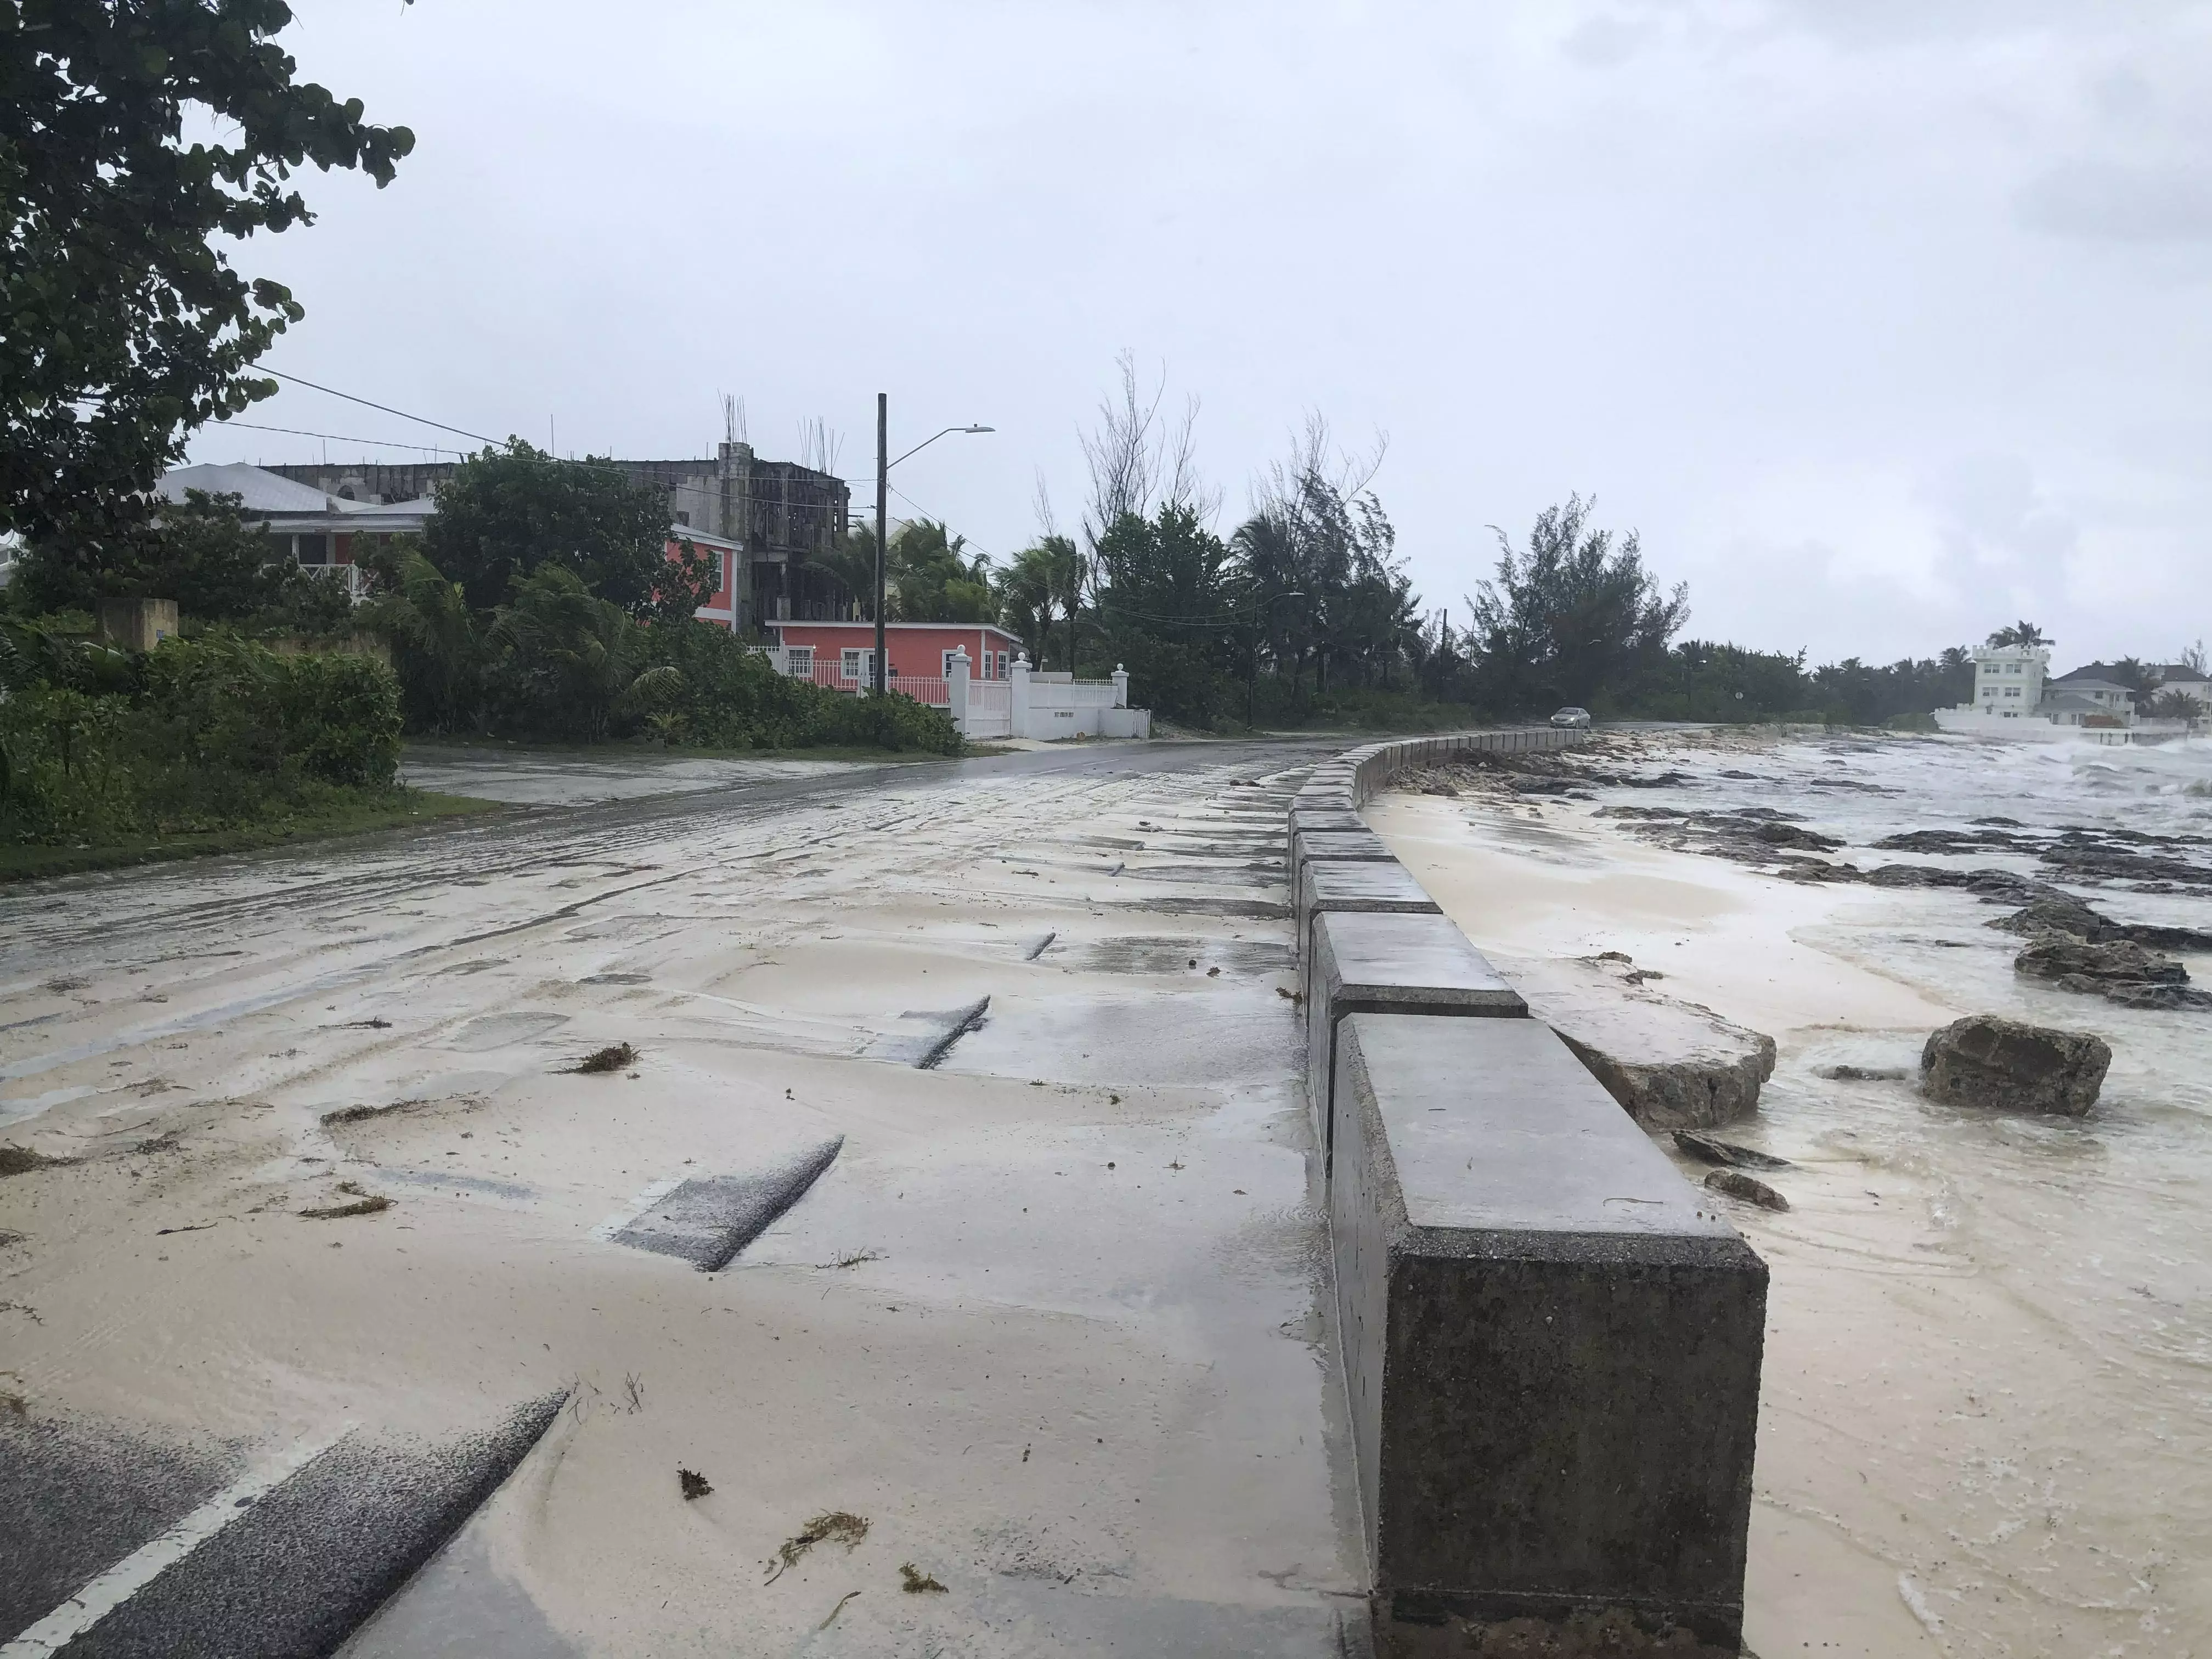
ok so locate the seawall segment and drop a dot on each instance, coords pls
(1550, 1345)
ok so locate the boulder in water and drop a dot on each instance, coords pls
(2058, 958)
(1985, 1059)
(1672, 1064)
(1752, 1190)
(1714, 1150)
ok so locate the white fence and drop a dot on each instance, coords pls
(1023, 705)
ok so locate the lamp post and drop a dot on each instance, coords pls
(883, 466)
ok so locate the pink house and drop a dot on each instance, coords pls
(843, 654)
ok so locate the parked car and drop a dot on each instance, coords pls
(1576, 717)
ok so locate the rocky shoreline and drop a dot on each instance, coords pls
(2072, 945)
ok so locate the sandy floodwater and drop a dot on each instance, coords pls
(1985, 1422)
(1049, 1322)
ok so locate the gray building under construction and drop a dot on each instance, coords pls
(777, 518)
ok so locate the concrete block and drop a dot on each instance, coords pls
(1308, 844)
(1353, 884)
(1373, 962)
(1303, 817)
(1550, 1345)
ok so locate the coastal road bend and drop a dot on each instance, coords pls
(855, 1213)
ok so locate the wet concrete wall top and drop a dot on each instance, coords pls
(1550, 1348)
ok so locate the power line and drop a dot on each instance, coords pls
(420, 420)
(340, 438)
(503, 443)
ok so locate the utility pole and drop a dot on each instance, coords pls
(882, 521)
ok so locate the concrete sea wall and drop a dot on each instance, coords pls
(1550, 1345)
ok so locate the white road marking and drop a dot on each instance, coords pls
(606, 1230)
(112, 1589)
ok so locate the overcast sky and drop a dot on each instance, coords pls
(1884, 321)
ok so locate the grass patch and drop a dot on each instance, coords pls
(836, 1526)
(362, 1113)
(612, 1058)
(22, 1160)
(918, 1582)
(25, 861)
(423, 748)
(363, 1203)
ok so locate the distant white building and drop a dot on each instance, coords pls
(2015, 696)
(2008, 681)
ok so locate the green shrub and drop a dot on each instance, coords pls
(195, 735)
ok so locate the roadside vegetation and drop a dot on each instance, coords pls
(213, 743)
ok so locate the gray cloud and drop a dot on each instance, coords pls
(2110, 201)
(1751, 285)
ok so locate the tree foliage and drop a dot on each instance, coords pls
(121, 326)
(1572, 614)
(506, 512)
(931, 578)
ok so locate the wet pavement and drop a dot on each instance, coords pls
(958, 1187)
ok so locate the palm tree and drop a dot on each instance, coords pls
(428, 619)
(2020, 632)
(569, 646)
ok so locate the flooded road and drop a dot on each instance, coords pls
(921, 1259)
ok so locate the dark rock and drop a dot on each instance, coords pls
(1918, 875)
(1726, 1151)
(2061, 913)
(1771, 814)
(1749, 1188)
(1542, 785)
(1788, 835)
(2132, 994)
(1985, 1059)
(1752, 777)
(2063, 959)
(1862, 1074)
(1939, 840)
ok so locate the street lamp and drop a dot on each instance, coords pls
(884, 513)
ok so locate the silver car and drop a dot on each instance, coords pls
(1576, 717)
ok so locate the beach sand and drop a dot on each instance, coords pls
(1983, 1418)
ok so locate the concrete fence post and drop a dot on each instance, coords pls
(955, 690)
(1017, 695)
(1120, 686)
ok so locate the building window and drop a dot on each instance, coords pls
(944, 661)
(684, 517)
(801, 660)
(311, 550)
(1002, 665)
(855, 664)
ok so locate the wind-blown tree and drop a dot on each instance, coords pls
(2175, 705)
(851, 559)
(437, 647)
(1329, 593)
(1168, 604)
(1867, 695)
(930, 579)
(2020, 632)
(571, 664)
(1574, 618)
(1042, 582)
(504, 512)
(121, 327)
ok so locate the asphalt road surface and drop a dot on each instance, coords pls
(937, 1273)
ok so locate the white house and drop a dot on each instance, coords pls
(315, 529)
(2008, 681)
(2014, 696)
